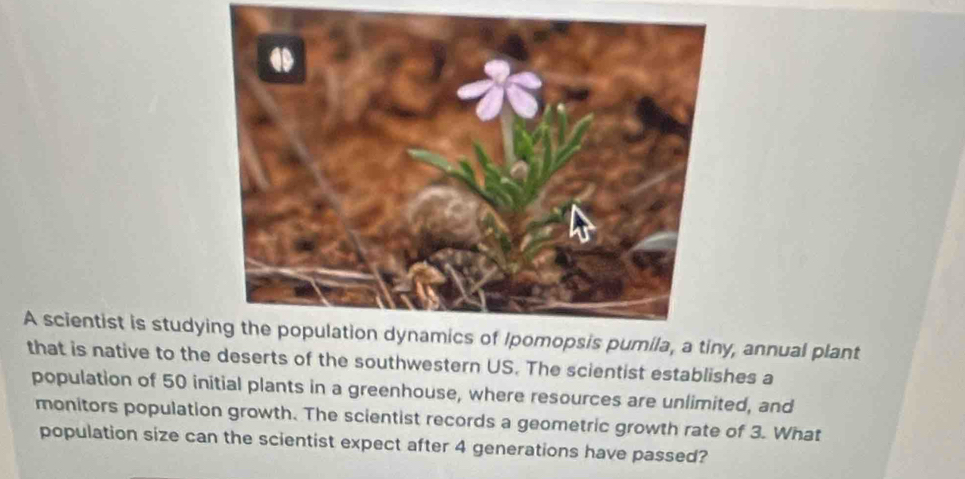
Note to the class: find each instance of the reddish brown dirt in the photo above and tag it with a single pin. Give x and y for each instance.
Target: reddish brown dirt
(378, 85)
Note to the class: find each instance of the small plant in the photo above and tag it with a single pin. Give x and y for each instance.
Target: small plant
(515, 233)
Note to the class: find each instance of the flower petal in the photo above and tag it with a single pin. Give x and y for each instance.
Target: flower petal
(522, 101)
(527, 80)
(489, 106)
(497, 70)
(475, 89)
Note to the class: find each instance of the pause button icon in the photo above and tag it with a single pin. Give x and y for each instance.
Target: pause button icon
(281, 58)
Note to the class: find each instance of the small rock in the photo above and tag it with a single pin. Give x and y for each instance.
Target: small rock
(656, 250)
(444, 217)
(661, 241)
(519, 171)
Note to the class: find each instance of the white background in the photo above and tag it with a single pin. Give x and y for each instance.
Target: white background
(84, 120)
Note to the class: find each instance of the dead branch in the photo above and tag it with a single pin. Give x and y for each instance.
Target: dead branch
(287, 273)
(267, 102)
(479, 284)
(656, 180)
(325, 273)
(333, 97)
(326, 277)
(482, 301)
(457, 279)
(333, 275)
(407, 301)
(251, 160)
(436, 298)
(551, 305)
(611, 312)
(297, 300)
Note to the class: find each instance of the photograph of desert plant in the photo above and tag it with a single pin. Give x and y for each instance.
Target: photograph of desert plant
(442, 163)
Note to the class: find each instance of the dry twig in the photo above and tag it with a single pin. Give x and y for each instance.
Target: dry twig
(327, 277)
(251, 161)
(436, 298)
(378, 301)
(656, 180)
(457, 279)
(407, 301)
(479, 284)
(482, 301)
(287, 273)
(606, 304)
(603, 307)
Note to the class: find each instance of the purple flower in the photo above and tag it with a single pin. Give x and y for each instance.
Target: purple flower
(501, 84)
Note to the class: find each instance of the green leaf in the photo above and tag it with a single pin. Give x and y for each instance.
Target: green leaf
(495, 188)
(563, 123)
(501, 237)
(572, 145)
(547, 119)
(563, 156)
(504, 242)
(491, 178)
(465, 173)
(489, 221)
(523, 143)
(518, 122)
(556, 216)
(534, 180)
(547, 157)
(433, 159)
(496, 249)
(538, 135)
(479, 191)
(535, 245)
(501, 199)
(514, 190)
(580, 130)
(563, 208)
(470, 174)
(549, 219)
(484, 161)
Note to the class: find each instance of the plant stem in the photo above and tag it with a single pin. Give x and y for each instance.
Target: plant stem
(506, 120)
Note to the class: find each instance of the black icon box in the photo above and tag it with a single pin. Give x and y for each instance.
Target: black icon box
(281, 58)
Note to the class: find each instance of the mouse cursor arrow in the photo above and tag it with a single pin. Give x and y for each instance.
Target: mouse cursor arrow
(580, 224)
